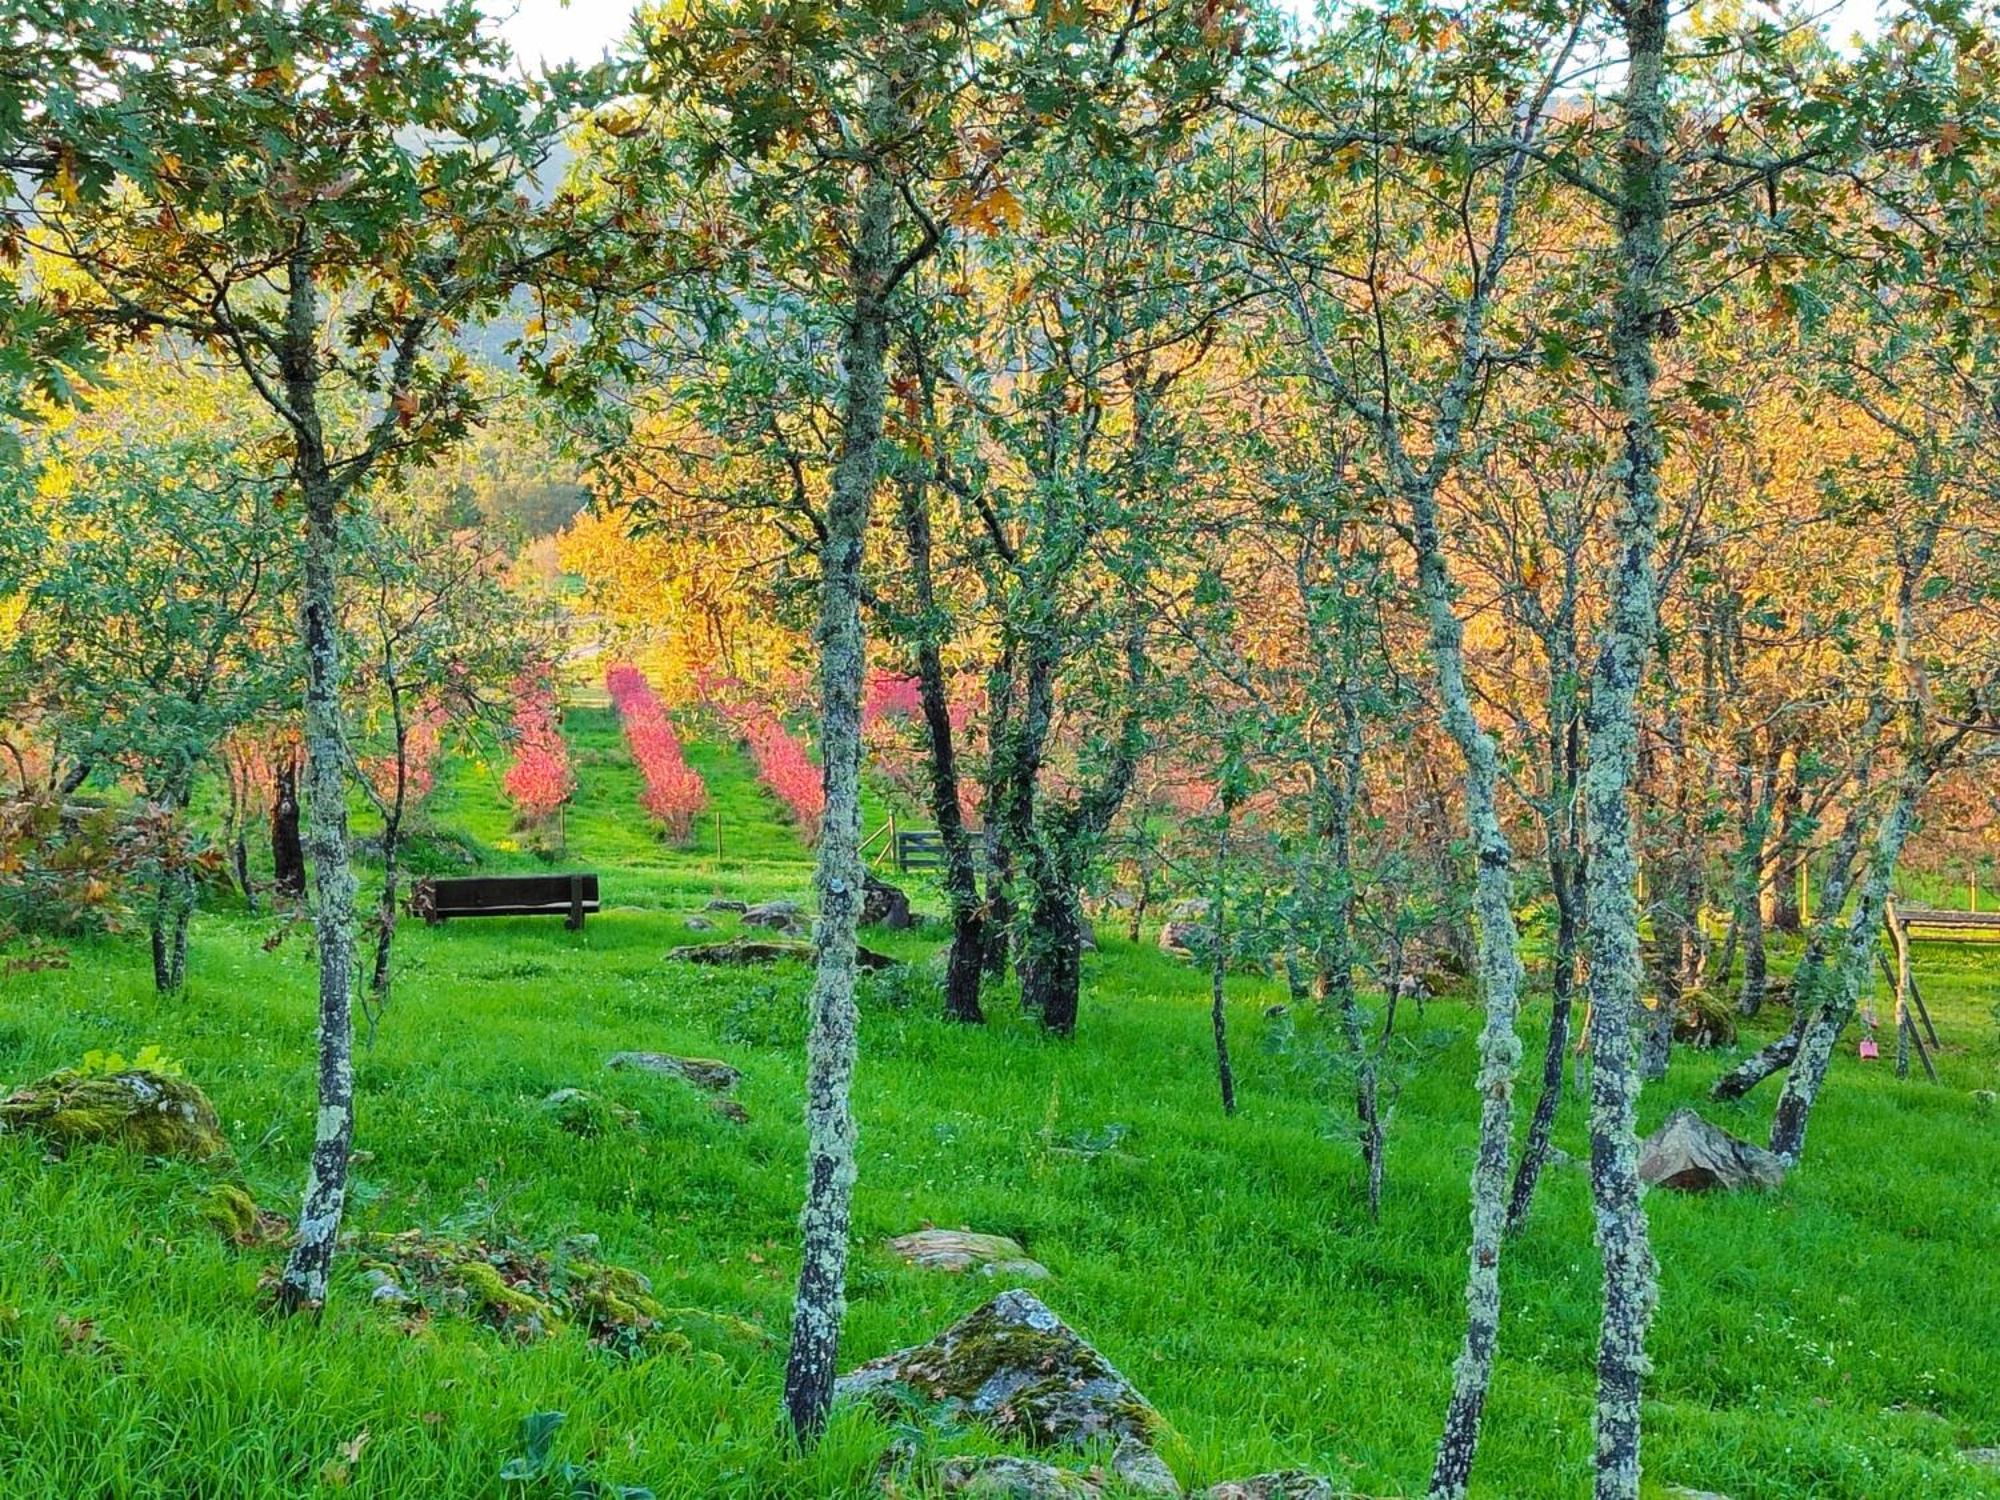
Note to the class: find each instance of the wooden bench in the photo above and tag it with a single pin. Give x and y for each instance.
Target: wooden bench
(1947, 922)
(568, 896)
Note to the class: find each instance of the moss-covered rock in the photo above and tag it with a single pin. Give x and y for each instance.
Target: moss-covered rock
(583, 1113)
(963, 1250)
(150, 1112)
(1287, 1484)
(1020, 1371)
(236, 1216)
(528, 1295)
(702, 1072)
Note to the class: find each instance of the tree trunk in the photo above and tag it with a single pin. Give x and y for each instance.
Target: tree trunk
(1823, 939)
(304, 1279)
(821, 1301)
(239, 856)
(1824, 1014)
(1218, 970)
(1334, 980)
(1760, 788)
(1061, 844)
(1050, 960)
(173, 905)
(1611, 914)
(1003, 696)
(961, 875)
(1541, 1127)
(385, 918)
(1779, 899)
(288, 857)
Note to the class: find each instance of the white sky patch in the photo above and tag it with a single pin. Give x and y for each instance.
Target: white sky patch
(548, 32)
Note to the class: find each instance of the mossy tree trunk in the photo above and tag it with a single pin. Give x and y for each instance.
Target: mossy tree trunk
(1825, 1014)
(821, 1302)
(1824, 938)
(1061, 845)
(173, 899)
(1611, 911)
(304, 1279)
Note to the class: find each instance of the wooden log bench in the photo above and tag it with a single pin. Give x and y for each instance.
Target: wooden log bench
(570, 896)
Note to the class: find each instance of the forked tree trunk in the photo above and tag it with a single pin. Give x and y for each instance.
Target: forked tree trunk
(173, 905)
(1498, 941)
(821, 1302)
(1060, 845)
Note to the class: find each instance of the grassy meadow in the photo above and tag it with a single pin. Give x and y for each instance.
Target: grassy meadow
(1838, 1338)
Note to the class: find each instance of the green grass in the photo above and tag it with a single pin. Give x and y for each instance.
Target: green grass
(1838, 1338)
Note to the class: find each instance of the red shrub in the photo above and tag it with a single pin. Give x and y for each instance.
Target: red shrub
(891, 695)
(539, 781)
(782, 765)
(674, 792)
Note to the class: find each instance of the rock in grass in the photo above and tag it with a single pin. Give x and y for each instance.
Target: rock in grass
(781, 915)
(702, 1072)
(1691, 1155)
(583, 1113)
(1020, 1371)
(883, 904)
(1004, 1477)
(150, 1112)
(697, 924)
(1286, 1484)
(962, 1250)
(730, 1110)
(528, 1295)
(749, 951)
(1682, 1492)
(236, 1216)
(1135, 1471)
(718, 904)
(1141, 1471)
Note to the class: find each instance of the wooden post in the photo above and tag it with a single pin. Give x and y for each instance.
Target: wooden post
(575, 903)
(718, 838)
(1899, 935)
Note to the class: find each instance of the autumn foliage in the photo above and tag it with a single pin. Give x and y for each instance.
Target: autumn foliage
(540, 780)
(674, 791)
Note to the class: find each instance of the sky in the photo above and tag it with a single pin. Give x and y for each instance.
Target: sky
(548, 31)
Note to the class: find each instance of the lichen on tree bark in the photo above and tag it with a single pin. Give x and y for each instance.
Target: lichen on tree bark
(831, 1046)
